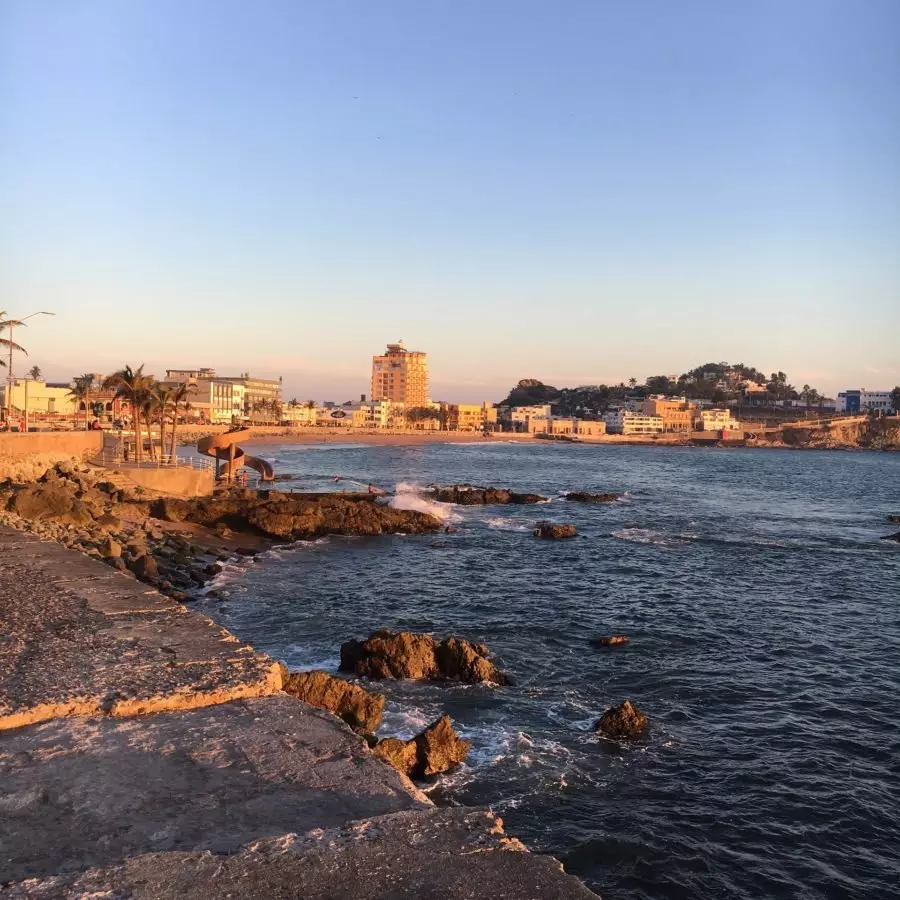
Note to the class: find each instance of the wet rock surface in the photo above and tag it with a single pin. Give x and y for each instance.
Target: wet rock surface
(436, 749)
(359, 708)
(470, 495)
(584, 497)
(554, 531)
(421, 657)
(625, 721)
(893, 518)
(612, 640)
(892, 537)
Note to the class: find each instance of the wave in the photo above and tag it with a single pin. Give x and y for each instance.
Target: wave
(411, 496)
(643, 536)
(505, 523)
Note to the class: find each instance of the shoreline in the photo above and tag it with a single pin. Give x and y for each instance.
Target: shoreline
(308, 798)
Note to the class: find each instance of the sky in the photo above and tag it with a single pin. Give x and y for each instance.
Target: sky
(580, 191)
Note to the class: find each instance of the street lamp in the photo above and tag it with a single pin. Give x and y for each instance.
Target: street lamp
(10, 381)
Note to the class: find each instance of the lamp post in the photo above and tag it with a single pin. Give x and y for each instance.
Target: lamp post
(10, 380)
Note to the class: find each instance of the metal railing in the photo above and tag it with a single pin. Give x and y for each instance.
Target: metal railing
(112, 458)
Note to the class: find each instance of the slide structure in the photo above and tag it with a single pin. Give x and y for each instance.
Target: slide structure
(224, 449)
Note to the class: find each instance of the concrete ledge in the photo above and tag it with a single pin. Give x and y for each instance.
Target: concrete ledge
(76, 793)
(439, 854)
(79, 639)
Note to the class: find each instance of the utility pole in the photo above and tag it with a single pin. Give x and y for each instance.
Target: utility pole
(10, 378)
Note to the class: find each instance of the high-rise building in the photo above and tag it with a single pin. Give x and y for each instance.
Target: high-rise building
(400, 375)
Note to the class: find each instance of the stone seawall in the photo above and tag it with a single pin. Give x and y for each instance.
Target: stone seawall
(25, 457)
(145, 752)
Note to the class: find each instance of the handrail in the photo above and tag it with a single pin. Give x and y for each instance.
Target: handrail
(110, 458)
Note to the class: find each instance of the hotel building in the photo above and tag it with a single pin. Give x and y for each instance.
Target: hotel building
(401, 376)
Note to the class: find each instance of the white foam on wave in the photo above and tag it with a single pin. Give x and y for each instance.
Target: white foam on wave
(505, 523)
(642, 536)
(411, 496)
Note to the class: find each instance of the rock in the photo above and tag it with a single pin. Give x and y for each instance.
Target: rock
(469, 495)
(614, 640)
(625, 721)
(892, 537)
(893, 518)
(110, 523)
(359, 708)
(419, 657)
(50, 501)
(584, 497)
(144, 567)
(554, 531)
(110, 549)
(437, 749)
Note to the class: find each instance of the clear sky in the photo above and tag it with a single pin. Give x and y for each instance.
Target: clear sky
(573, 191)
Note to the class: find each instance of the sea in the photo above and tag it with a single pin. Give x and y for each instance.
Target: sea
(763, 609)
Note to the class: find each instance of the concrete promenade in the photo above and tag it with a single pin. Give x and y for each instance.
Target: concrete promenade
(147, 753)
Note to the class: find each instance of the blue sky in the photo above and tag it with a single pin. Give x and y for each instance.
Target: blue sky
(574, 191)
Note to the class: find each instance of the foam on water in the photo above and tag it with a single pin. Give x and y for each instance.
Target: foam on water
(411, 497)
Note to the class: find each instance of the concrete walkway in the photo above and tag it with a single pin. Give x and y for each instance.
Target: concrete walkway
(147, 753)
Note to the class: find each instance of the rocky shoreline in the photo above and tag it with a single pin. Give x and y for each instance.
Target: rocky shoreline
(110, 687)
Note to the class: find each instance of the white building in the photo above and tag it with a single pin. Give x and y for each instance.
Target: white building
(624, 421)
(718, 420)
(855, 401)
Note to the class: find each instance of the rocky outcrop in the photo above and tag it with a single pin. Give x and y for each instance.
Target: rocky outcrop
(420, 657)
(437, 749)
(50, 502)
(625, 721)
(293, 516)
(584, 497)
(470, 495)
(359, 708)
(554, 531)
(613, 640)
(893, 518)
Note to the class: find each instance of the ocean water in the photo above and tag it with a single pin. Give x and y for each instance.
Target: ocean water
(764, 616)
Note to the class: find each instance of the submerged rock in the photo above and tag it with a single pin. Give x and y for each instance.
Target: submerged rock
(470, 495)
(359, 708)
(892, 537)
(554, 531)
(420, 657)
(613, 640)
(437, 749)
(625, 721)
(584, 497)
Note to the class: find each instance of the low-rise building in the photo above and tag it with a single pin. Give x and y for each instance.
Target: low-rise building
(860, 401)
(718, 420)
(469, 416)
(36, 396)
(677, 414)
(623, 421)
(591, 428)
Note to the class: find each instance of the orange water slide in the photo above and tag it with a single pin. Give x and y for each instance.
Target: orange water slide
(224, 449)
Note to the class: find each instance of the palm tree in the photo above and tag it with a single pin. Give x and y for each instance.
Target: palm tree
(162, 396)
(632, 383)
(34, 373)
(179, 399)
(6, 343)
(804, 394)
(81, 393)
(132, 384)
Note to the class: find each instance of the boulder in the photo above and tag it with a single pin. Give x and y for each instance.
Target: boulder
(437, 749)
(625, 721)
(144, 567)
(613, 640)
(110, 549)
(554, 531)
(51, 500)
(360, 709)
(584, 497)
(419, 657)
(470, 495)
(108, 522)
(892, 537)
(893, 518)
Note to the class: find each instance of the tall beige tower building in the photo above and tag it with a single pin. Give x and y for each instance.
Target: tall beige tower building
(400, 375)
